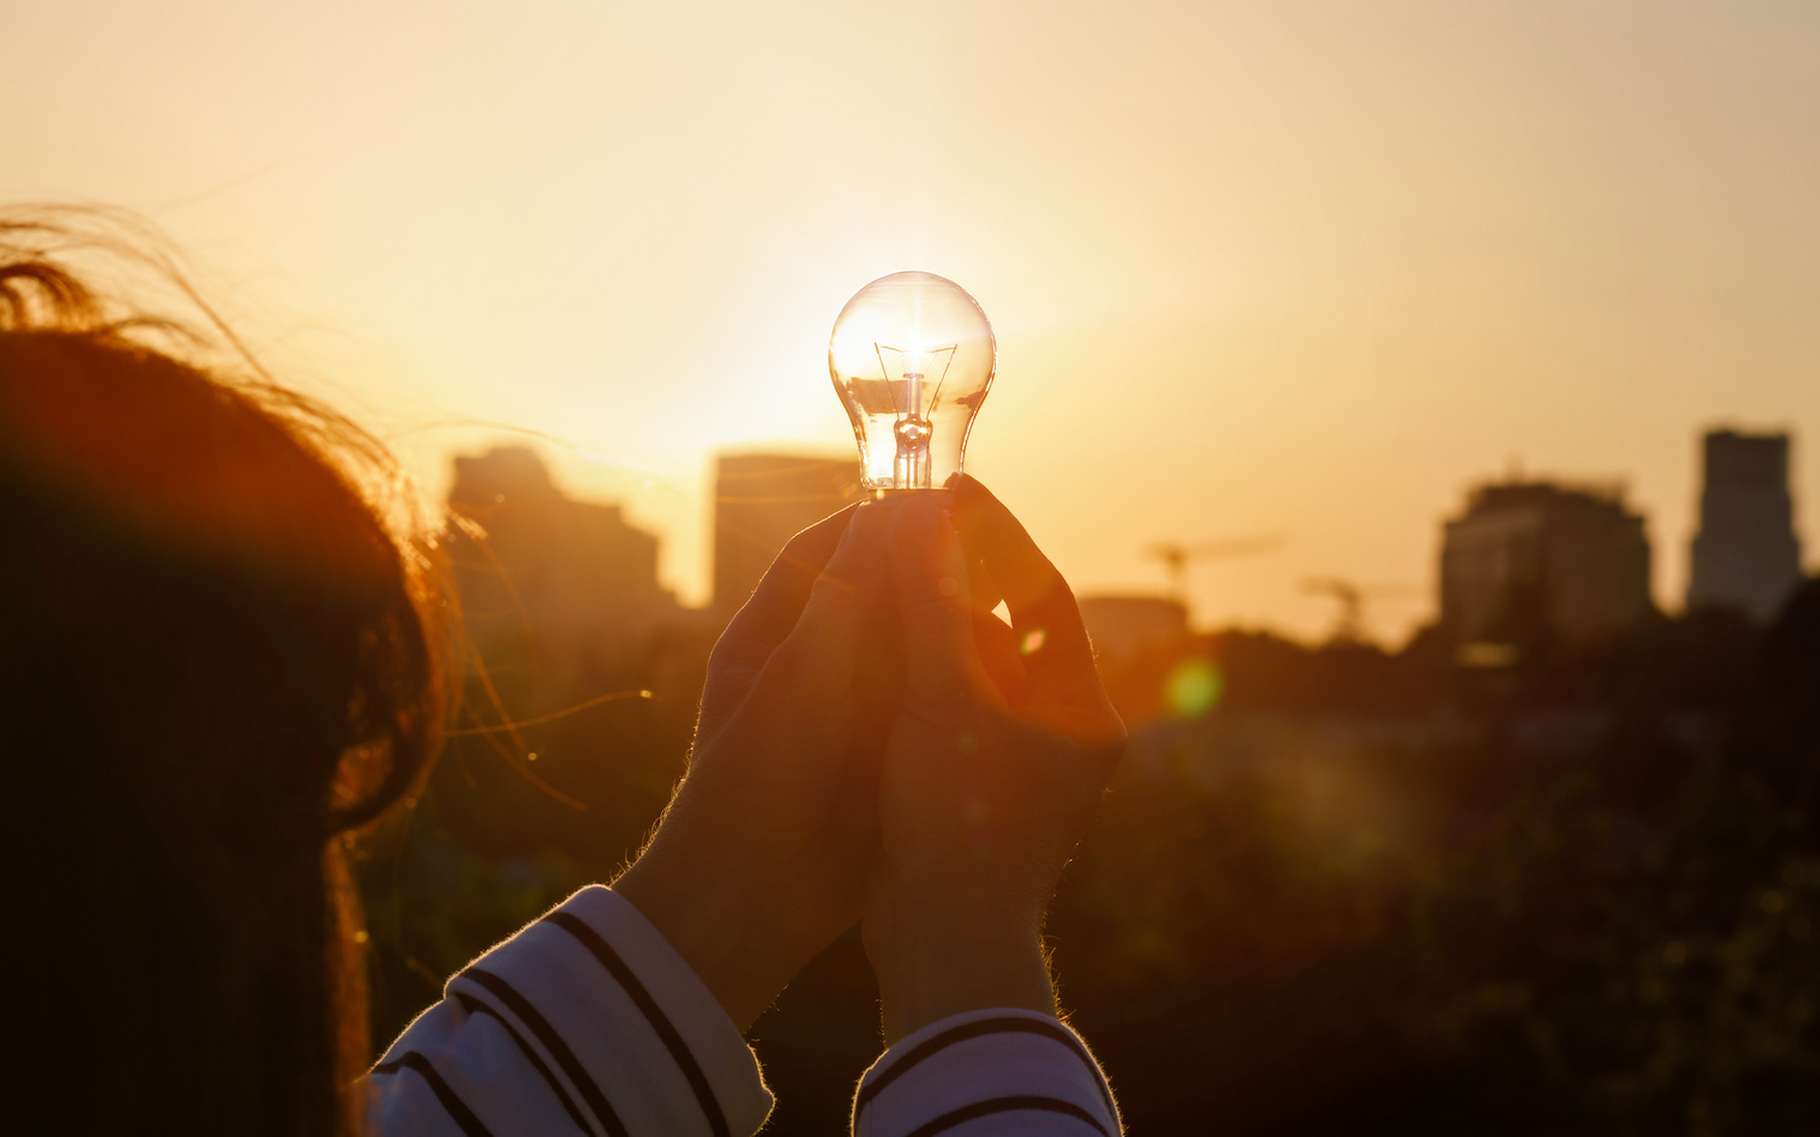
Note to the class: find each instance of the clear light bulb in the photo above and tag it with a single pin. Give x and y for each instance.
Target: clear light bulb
(911, 357)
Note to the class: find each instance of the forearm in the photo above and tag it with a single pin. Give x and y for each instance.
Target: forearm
(935, 965)
(725, 928)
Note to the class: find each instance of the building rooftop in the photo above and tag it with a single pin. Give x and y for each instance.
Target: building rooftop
(1488, 497)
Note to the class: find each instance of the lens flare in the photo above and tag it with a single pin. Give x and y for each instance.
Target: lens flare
(1194, 688)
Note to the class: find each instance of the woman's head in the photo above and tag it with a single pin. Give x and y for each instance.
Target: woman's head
(219, 654)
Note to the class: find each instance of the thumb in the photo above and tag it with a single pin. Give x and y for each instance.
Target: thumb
(929, 575)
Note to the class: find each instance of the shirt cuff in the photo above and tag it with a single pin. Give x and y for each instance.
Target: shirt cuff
(622, 1019)
(1000, 1063)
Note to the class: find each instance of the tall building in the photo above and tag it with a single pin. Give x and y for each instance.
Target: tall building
(761, 500)
(1745, 555)
(572, 583)
(1534, 560)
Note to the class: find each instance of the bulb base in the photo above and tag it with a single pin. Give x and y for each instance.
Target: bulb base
(912, 469)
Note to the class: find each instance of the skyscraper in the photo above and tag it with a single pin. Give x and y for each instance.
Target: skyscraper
(569, 583)
(1529, 560)
(1745, 556)
(761, 499)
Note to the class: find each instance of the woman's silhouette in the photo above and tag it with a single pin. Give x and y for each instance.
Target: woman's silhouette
(220, 655)
(222, 648)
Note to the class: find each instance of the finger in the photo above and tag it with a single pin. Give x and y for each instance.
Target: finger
(769, 614)
(817, 665)
(984, 590)
(997, 646)
(1089, 722)
(929, 574)
(771, 611)
(1053, 641)
(855, 579)
(799, 712)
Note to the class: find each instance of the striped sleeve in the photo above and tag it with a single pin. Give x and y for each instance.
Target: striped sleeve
(989, 1073)
(586, 1022)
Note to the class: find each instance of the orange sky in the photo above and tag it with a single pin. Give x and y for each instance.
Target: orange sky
(1255, 268)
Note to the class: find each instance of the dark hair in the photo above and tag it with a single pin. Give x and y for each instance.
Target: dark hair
(221, 658)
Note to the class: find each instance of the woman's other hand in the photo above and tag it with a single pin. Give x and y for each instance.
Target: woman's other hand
(1001, 748)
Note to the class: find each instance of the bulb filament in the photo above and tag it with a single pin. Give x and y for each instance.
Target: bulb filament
(912, 428)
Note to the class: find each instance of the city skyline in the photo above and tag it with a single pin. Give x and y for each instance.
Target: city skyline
(748, 529)
(1254, 269)
(1399, 607)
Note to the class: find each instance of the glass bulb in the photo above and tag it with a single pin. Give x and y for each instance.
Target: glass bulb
(911, 357)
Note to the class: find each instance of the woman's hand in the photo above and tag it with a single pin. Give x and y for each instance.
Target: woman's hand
(1002, 746)
(869, 733)
(761, 859)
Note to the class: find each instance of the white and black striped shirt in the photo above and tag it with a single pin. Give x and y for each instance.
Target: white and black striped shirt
(588, 1022)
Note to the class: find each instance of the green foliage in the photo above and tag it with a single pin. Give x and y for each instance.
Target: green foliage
(1360, 892)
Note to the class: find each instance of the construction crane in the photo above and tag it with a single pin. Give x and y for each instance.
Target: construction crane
(1176, 557)
(1349, 625)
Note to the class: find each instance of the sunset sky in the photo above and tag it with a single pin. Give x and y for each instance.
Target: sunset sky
(1307, 269)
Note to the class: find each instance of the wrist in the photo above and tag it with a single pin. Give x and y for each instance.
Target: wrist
(715, 926)
(933, 962)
